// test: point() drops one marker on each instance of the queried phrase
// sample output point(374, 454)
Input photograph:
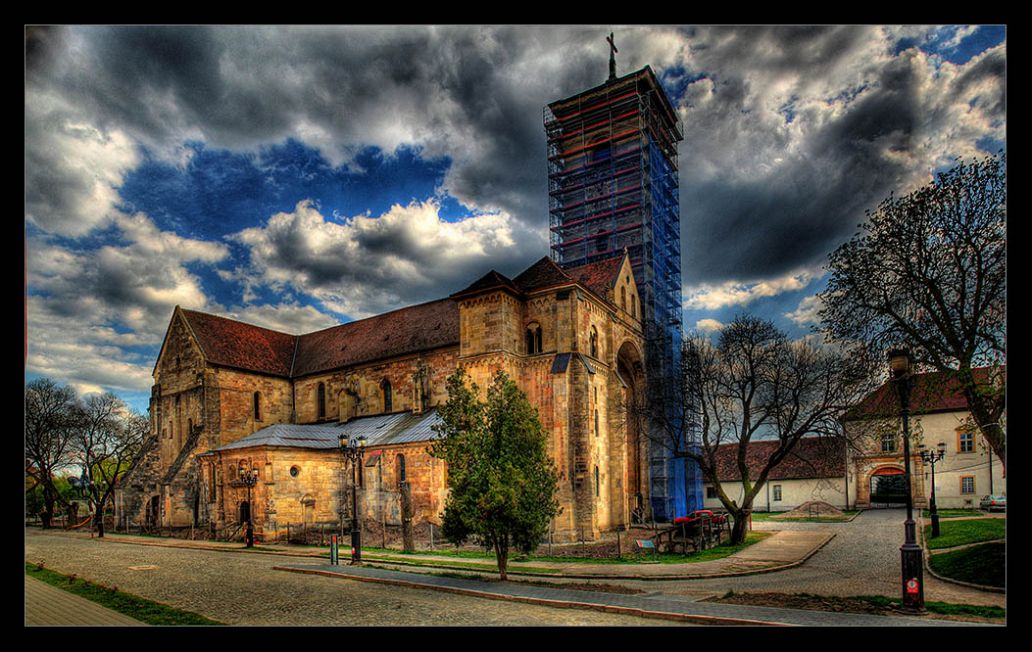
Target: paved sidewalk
point(650, 606)
point(782, 550)
point(50, 606)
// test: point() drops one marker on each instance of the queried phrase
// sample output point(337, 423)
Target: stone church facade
point(228, 394)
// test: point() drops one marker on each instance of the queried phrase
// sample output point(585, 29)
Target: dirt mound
point(813, 508)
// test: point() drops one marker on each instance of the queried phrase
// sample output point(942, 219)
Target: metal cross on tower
point(612, 57)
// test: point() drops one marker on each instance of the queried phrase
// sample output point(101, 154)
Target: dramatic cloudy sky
point(301, 177)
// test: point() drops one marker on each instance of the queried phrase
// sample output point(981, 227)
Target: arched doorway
point(629, 370)
point(888, 487)
point(245, 511)
point(152, 517)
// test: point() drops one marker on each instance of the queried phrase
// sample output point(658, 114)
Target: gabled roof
point(379, 430)
point(542, 274)
point(812, 457)
point(244, 346)
point(490, 281)
point(415, 328)
point(599, 277)
point(929, 393)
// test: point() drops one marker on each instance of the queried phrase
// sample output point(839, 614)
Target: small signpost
point(644, 545)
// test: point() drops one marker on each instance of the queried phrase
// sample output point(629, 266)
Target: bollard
point(334, 558)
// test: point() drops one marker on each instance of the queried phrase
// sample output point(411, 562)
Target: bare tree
point(50, 412)
point(109, 437)
point(928, 271)
point(752, 384)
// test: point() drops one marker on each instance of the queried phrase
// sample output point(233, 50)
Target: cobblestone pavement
point(244, 590)
point(862, 559)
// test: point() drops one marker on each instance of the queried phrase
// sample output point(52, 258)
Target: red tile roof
point(812, 457)
point(489, 281)
point(243, 346)
point(416, 328)
point(929, 393)
point(599, 277)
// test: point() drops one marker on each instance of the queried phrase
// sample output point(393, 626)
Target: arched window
point(534, 339)
point(387, 398)
point(401, 469)
point(596, 482)
point(321, 400)
point(634, 306)
point(623, 297)
point(257, 406)
point(593, 341)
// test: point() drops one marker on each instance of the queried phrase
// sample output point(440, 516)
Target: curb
point(949, 580)
point(631, 611)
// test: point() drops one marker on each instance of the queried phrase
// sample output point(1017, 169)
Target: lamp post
point(249, 478)
point(910, 552)
point(353, 450)
point(931, 457)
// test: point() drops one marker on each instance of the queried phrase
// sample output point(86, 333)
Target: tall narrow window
point(321, 401)
point(777, 492)
point(596, 423)
point(387, 398)
point(534, 339)
point(623, 298)
point(257, 406)
point(634, 306)
point(593, 342)
point(596, 482)
point(401, 468)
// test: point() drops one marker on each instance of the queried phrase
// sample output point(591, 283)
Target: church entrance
point(629, 369)
point(152, 516)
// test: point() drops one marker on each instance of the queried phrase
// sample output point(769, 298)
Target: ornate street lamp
point(931, 457)
point(249, 478)
point(910, 553)
point(353, 451)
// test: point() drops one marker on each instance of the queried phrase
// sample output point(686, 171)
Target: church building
point(229, 396)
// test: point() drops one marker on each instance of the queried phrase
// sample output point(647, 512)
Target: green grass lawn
point(954, 513)
point(983, 564)
point(717, 552)
point(779, 516)
point(142, 609)
point(958, 533)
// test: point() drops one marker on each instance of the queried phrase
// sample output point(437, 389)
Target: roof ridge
point(382, 314)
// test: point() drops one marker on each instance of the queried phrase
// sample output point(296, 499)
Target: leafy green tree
point(502, 483)
point(51, 417)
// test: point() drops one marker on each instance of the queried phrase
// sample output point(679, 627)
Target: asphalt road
point(242, 589)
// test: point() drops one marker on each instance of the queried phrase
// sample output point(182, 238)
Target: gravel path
point(242, 589)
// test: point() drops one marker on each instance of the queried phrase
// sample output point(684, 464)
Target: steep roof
point(244, 346)
point(812, 457)
point(415, 328)
point(929, 393)
point(599, 277)
point(544, 273)
point(490, 281)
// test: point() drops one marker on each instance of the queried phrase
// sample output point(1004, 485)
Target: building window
point(593, 342)
point(295, 471)
point(401, 468)
point(711, 492)
point(388, 400)
point(596, 423)
point(321, 401)
point(634, 306)
point(888, 442)
point(534, 339)
point(257, 406)
point(777, 492)
point(596, 482)
point(966, 442)
point(967, 484)
point(623, 298)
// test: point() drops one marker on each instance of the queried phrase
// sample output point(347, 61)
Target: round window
point(295, 471)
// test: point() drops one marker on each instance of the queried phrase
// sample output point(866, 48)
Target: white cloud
point(730, 293)
point(709, 325)
point(807, 311)
point(366, 265)
point(285, 318)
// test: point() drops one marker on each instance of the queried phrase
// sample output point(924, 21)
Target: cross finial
point(612, 57)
